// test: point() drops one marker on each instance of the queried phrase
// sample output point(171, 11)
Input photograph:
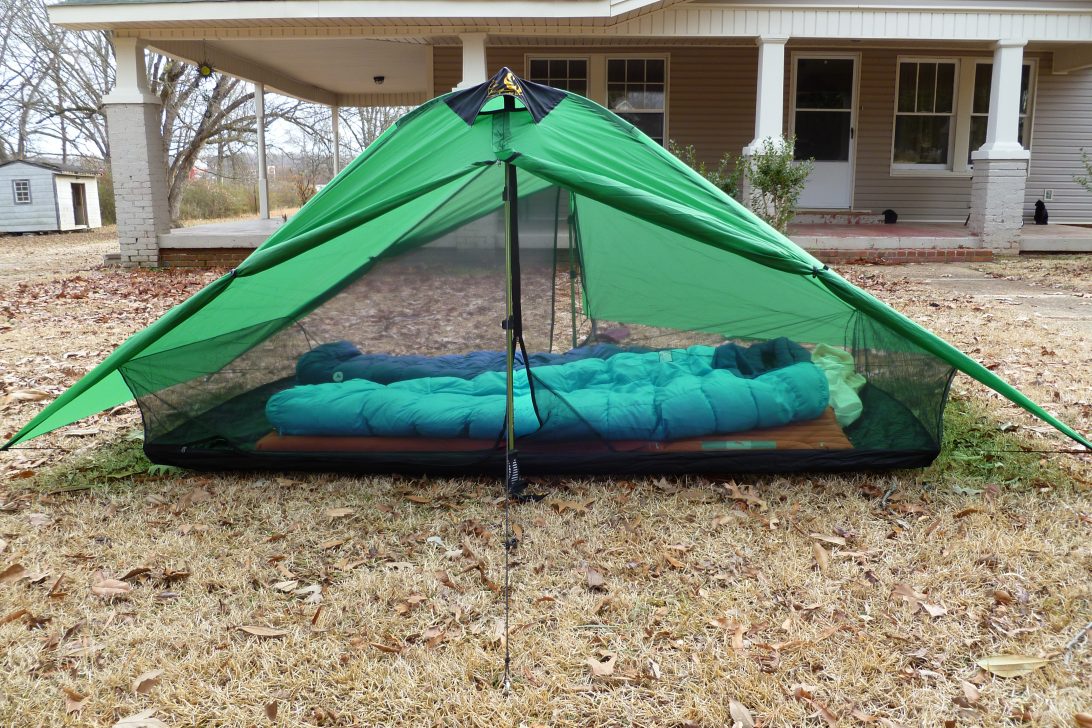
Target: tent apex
point(538, 100)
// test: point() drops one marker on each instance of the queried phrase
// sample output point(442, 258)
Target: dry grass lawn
point(798, 601)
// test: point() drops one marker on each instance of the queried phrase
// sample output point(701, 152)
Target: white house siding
point(41, 214)
point(1062, 125)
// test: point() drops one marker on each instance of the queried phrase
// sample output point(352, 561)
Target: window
point(924, 114)
point(980, 106)
point(569, 74)
point(21, 191)
point(636, 92)
point(635, 88)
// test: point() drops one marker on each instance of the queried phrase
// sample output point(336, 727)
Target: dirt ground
point(273, 599)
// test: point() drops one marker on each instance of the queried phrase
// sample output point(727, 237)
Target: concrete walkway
point(1071, 308)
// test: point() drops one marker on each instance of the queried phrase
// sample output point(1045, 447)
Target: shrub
point(106, 198)
point(202, 200)
point(726, 174)
point(1085, 180)
point(776, 181)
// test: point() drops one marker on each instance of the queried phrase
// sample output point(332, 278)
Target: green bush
point(776, 181)
point(106, 198)
point(202, 199)
point(726, 174)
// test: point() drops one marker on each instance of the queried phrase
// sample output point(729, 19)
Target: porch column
point(474, 65)
point(335, 111)
point(137, 160)
point(769, 101)
point(770, 96)
point(1001, 165)
point(263, 169)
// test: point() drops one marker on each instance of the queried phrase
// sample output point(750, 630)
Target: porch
point(226, 244)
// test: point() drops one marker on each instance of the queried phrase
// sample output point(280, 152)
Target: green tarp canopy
point(659, 247)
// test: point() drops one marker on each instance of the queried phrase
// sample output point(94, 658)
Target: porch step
point(1055, 238)
point(896, 256)
point(837, 217)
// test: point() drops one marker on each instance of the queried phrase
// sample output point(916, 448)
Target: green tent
point(513, 266)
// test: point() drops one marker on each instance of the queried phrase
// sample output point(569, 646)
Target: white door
point(823, 120)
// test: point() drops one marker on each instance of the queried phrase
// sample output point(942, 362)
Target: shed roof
point(53, 167)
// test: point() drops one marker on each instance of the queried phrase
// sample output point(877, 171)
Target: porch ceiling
point(332, 71)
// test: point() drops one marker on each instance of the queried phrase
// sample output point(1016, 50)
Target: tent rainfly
point(512, 267)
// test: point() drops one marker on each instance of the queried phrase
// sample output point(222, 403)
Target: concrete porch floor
point(245, 234)
point(232, 234)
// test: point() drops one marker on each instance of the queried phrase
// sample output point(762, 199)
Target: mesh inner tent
point(646, 351)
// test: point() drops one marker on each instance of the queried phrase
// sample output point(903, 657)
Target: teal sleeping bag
point(658, 395)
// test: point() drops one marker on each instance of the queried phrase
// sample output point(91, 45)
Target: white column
point(137, 159)
point(474, 65)
point(1003, 130)
point(259, 122)
point(770, 98)
point(1001, 165)
point(335, 111)
point(131, 75)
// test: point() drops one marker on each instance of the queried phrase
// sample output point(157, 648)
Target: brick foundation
point(202, 257)
point(892, 256)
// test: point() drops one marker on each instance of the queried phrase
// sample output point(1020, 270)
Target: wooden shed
point(44, 197)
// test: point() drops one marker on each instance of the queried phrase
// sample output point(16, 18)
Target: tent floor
point(886, 436)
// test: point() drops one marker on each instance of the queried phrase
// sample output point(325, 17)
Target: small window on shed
point(21, 191)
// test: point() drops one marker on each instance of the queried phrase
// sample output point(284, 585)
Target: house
point(44, 197)
point(958, 117)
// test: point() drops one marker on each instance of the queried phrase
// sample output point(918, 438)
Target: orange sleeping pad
point(822, 433)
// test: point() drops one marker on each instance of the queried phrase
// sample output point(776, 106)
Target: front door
point(79, 204)
point(823, 120)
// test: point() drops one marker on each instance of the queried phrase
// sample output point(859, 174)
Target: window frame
point(15, 192)
point(916, 168)
point(597, 75)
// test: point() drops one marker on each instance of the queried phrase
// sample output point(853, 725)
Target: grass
point(389, 605)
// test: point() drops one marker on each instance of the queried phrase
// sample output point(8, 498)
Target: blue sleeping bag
point(340, 360)
point(658, 395)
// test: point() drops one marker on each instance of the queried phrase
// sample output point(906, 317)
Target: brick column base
point(139, 171)
point(997, 203)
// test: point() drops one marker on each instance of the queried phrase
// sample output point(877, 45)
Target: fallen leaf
point(673, 562)
point(595, 579)
point(602, 666)
point(970, 693)
point(934, 610)
point(111, 588)
point(835, 540)
point(966, 512)
point(12, 616)
point(12, 574)
point(333, 513)
point(1011, 665)
point(389, 649)
point(822, 558)
point(1083, 720)
point(286, 586)
point(143, 719)
point(28, 395)
point(259, 631)
point(271, 710)
point(73, 701)
point(39, 519)
point(147, 682)
point(740, 715)
point(331, 544)
point(804, 693)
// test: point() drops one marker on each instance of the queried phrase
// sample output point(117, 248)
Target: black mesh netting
point(402, 365)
